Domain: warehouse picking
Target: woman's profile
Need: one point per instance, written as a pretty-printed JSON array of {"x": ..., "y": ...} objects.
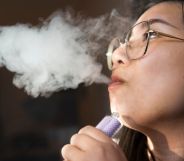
[{"x": 147, "y": 91}]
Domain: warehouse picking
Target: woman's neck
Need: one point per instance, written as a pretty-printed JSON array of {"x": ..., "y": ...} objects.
[{"x": 167, "y": 142}]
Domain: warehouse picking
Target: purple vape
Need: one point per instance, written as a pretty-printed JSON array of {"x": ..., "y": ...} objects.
[{"x": 109, "y": 125}]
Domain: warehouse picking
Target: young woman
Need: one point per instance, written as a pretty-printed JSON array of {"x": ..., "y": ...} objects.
[{"x": 147, "y": 91}]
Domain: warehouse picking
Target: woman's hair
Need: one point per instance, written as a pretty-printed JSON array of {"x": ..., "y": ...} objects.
[
  {"x": 134, "y": 143},
  {"x": 140, "y": 6}
]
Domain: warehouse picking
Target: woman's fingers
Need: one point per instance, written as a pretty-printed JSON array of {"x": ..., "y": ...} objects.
[
  {"x": 70, "y": 153},
  {"x": 94, "y": 133},
  {"x": 92, "y": 144},
  {"x": 83, "y": 141}
]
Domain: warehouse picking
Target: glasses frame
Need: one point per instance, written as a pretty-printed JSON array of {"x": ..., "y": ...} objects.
[{"x": 150, "y": 32}]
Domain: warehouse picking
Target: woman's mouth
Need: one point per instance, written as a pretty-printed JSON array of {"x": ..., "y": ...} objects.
[{"x": 115, "y": 82}]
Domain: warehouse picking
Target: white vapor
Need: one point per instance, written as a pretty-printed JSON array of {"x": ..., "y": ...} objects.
[{"x": 55, "y": 55}]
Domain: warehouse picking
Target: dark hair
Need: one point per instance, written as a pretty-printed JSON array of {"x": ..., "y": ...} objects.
[
  {"x": 140, "y": 6},
  {"x": 134, "y": 143}
]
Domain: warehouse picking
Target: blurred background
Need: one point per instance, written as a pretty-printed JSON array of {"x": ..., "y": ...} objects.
[{"x": 35, "y": 129}]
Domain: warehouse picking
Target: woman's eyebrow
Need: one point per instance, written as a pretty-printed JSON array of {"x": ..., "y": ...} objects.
[{"x": 152, "y": 21}]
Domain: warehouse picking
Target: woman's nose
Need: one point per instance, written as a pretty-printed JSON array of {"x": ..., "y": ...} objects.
[{"x": 119, "y": 57}]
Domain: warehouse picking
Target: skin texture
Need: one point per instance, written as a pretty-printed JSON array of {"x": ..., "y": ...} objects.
[{"x": 147, "y": 93}]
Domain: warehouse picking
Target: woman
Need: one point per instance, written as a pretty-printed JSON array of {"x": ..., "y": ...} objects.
[{"x": 147, "y": 91}]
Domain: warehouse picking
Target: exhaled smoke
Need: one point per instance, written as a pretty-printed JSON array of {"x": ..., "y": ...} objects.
[{"x": 58, "y": 54}]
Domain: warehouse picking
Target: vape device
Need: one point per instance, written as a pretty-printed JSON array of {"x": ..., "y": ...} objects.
[{"x": 110, "y": 125}]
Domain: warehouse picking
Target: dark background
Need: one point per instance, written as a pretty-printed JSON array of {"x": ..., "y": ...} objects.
[{"x": 35, "y": 129}]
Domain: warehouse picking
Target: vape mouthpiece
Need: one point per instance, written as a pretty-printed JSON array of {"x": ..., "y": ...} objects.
[{"x": 110, "y": 125}]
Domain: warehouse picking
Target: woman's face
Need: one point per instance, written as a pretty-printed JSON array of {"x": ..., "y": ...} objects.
[{"x": 150, "y": 91}]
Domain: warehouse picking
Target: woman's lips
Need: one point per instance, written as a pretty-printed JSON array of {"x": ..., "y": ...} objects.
[{"x": 115, "y": 82}]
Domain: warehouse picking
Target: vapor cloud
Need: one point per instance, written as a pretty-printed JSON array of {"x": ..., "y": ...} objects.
[{"x": 58, "y": 54}]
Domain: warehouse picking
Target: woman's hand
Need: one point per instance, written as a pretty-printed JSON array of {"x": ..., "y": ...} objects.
[{"x": 90, "y": 144}]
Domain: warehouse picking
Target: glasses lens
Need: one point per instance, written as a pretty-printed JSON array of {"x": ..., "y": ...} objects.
[
  {"x": 136, "y": 43},
  {"x": 115, "y": 43},
  {"x": 137, "y": 40}
]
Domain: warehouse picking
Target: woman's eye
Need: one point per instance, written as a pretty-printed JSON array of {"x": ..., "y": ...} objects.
[{"x": 150, "y": 35}]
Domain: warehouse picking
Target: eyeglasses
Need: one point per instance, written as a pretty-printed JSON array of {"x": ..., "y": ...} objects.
[{"x": 136, "y": 42}]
